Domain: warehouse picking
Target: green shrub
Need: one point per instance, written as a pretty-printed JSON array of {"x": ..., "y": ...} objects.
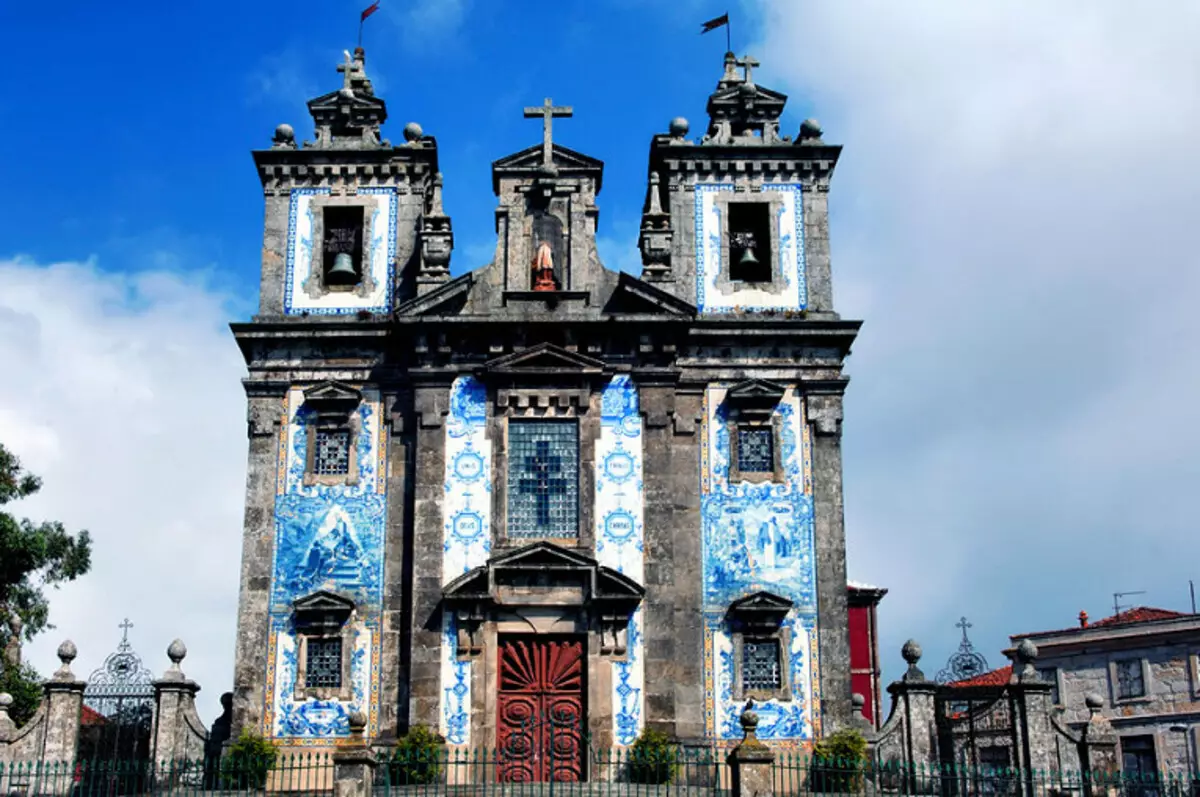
[
  {"x": 25, "y": 686},
  {"x": 653, "y": 758},
  {"x": 417, "y": 758},
  {"x": 248, "y": 762},
  {"x": 839, "y": 762}
]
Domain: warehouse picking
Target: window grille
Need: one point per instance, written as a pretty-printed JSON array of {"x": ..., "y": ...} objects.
[
  {"x": 1129, "y": 679},
  {"x": 543, "y": 478},
  {"x": 760, "y": 664},
  {"x": 332, "y": 456},
  {"x": 323, "y": 666},
  {"x": 756, "y": 449}
]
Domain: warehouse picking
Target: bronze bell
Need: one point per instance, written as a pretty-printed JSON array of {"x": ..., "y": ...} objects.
[
  {"x": 343, "y": 272},
  {"x": 748, "y": 258}
]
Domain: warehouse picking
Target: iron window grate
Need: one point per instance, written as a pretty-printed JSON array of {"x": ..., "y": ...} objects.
[
  {"x": 760, "y": 664},
  {"x": 323, "y": 665},
  {"x": 332, "y": 456},
  {"x": 543, "y": 478},
  {"x": 756, "y": 450}
]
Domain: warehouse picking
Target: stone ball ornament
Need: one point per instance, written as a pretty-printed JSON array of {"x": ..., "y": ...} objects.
[
  {"x": 176, "y": 651},
  {"x": 911, "y": 651},
  {"x": 67, "y": 652},
  {"x": 1027, "y": 651},
  {"x": 413, "y": 132},
  {"x": 6, "y": 700},
  {"x": 1093, "y": 701},
  {"x": 810, "y": 129},
  {"x": 679, "y": 127}
]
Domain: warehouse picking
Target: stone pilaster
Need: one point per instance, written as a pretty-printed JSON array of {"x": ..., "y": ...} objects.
[
  {"x": 179, "y": 737},
  {"x": 393, "y": 701},
  {"x": 265, "y": 415},
  {"x": 751, "y": 763},
  {"x": 431, "y": 402},
  {"x": 825, "y": 419},
  {"x": 354, "y": 763},
  {"x": 64, "y": 703}
]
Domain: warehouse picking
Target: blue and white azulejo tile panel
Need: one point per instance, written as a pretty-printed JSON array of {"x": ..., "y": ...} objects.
[
  {"x": 620, "y": 535},
  {"x": 379, "y": 255},
  {"x": 467, "y": 502},
  {"x": 327, "y": 537},
  {"x": 759, "y": 537},
  {"x": 466, "y": 535},
  {"x": 310, "y": 721},
  {"x": 789, "y": 222}
]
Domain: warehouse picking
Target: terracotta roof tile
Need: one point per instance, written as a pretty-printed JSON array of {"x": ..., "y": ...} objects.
[
  {"x": 1138, "y": 614},
  {"x": 998, "y": 677}
]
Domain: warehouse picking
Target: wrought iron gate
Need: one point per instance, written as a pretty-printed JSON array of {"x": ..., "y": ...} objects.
[{"x": 117, "y": 722}]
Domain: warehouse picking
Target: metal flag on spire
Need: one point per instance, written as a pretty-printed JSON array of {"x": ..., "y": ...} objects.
[
  {"x": 368, "y": 11},
  {"x": 718, "y": 22}
]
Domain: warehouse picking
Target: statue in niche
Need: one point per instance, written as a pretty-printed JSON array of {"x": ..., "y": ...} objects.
[
  {"x": 547, "y": 230},
  {"x": 543, "y": 269}
]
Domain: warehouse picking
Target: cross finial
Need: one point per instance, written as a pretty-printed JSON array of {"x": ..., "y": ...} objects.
[
  {"x": 964, "y": 625},
  {"x": 347, "y": 70},
  {"x": 125, "y": 626},
  {"x": 548, "y": 110},
  {"x": 747, "y": 63}
]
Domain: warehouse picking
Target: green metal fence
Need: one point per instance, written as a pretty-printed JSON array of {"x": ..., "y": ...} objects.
[{"x": 609, "y": 773}]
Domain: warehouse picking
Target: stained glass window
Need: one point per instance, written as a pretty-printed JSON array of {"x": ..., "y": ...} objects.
[
  {"x": 756, "y": 449},
  {"x": 760, "y": 664},
  {"x": 543, "y": 478},
  {"x": 323, "y": 665},
  {"x": 1129, "y": 679},
  {"x": 332, "y": 455}
]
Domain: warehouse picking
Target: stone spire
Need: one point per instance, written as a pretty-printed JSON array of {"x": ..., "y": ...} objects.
[{"x": 350, "y": 117}]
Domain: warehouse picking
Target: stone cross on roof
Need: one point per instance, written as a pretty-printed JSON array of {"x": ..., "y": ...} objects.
[
  {"x": 548, "y": 111},
  {"x": 747, "y": 63}
]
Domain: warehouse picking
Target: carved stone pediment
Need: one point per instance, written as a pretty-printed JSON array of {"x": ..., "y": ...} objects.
[
  {"x": 633, "y": 295},
  {"x": 755, "y": 398},
  {"x": 322, "y": 610},
  {"x": 446, "y": 299},
  {"x": 545, "y": 361},
  {"x": 567, "y": 163},
  {"x": 332, "y": 397},
  {"x": 759, "y": 612}
]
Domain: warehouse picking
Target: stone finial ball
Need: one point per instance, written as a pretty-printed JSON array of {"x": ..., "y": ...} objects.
[
  {"x": 911, "y": 651},
  {"x": 1093, "y": 701},
  {"x": 1027, "y": 651},
  {"x": 679, "y": 127},
  {"x": 810, "y": 128},
  {"x": 6, "y": 700},
  {"x": 176, "y": 651},
  {"x": 857, "y": 700},
  {"x": 67, "y": 651},
  {"x": 284, "y": 133},
  {"x": 413, "y": 132},
  {"x": 357, "y": 719}
]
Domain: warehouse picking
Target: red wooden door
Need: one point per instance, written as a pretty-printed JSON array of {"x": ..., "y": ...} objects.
[{"x": 540, "y": 709}]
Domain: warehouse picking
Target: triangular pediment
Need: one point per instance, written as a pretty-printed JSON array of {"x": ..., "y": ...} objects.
[
  {"x": 766, "y": 103},
  {"x": 542, "y": 554},
  {"x": 323, "y": 601},
  {"x": 442, "y": 300},
  {"x": 634, "y": 296},
  {"x": 762, "y": 611},
  {"x": 530, "y": 158},
  {"x": 756, "y": 391},
  {"x": 339, "y": 99},
  {"x": 545, "y": 359},
  {"x": 762, "y": 600},
  {"x": 332, "y": 396}
]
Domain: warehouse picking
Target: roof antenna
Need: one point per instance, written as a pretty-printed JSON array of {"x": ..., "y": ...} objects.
[{"x": 1118, "y": 595}]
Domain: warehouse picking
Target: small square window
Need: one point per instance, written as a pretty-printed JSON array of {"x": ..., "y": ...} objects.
[
  {"x": 323, "y": 662},
  {"x": 331, "y": 456},
  {"x": 760, "y": 665},
  {"x": 756, "y": 449},
  {"x": 1130, "y": 682}
]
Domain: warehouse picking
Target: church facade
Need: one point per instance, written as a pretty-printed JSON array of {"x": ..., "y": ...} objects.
[{"x": 544, "y": 492}]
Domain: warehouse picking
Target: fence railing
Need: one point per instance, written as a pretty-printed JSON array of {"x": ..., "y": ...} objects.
[{"x": 605, "y": 773}]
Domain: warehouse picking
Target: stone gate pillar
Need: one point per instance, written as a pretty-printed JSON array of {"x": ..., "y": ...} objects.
[
  {"x": 1098, "y": 752},
  {"x": 179, "y": 738},
  {"x": 751, "y": 763},
  {"x": 64, "y": 704}
]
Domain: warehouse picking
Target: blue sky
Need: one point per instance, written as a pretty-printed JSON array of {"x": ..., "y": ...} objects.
[{"x": 1012, "y": 217}]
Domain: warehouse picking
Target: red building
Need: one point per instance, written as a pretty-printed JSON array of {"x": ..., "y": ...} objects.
[{"x": 864, "y": 647}]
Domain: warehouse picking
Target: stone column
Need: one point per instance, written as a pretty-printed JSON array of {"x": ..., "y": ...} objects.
[
  {"x": 265, "y": 415},
  {"x": 1032, "y": 715},
  {"x": 751, "y": 763},
  {"x": 179, "y": 740},
  {"x": 354, "y": 763},
  {"x": 825, "y": 417},
  {"x": 1098, "y": 752},
  {"x": 64, "y": 703},
  {"x": 431, "y": 404}
]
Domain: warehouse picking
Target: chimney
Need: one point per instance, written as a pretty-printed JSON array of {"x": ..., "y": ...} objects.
[{"x": 1083, "y": 618}]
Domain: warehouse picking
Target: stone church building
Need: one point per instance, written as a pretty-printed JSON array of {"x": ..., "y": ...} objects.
[{"x": 544, "y": 491}]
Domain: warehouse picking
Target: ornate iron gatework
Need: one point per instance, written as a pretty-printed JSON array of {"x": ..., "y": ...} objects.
[
  {"x": 965, "y": 663},
  {"x": 118, "y": 715}
]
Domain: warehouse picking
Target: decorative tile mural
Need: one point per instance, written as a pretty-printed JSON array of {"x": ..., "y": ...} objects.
[
  {"x": 619, "y": 534},
  {"x": 379, "y": 256},
  {"x": 759, "y": 537},
  {"x": 466, "y": 535},
  {"x": 326, "y": 538},
  {"x": 789, "y": 222}
]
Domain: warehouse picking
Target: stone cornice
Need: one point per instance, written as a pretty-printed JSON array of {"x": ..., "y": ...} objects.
[{"x": 280, "y": 170}]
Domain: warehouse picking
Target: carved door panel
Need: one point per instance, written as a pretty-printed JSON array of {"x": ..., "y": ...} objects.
[{"x": 540, "y": 709}]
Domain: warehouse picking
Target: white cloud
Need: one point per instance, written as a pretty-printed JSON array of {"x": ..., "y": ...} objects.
[
  {"x": 1011, "y": 217},
  {"x": 123, "y": 394}
]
